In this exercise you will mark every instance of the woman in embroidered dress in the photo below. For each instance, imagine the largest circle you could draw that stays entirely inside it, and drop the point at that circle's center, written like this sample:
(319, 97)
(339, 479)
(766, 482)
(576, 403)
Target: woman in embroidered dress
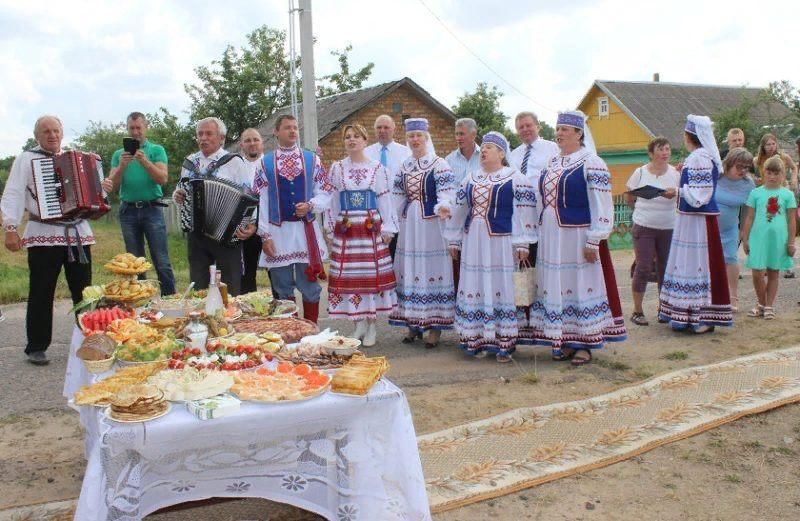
(695, 295)
(424, 194)
(363, 221)
(577, 307)
(492, 225)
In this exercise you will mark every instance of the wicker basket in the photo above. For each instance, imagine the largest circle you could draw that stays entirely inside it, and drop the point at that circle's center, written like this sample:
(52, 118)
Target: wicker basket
(98, 366)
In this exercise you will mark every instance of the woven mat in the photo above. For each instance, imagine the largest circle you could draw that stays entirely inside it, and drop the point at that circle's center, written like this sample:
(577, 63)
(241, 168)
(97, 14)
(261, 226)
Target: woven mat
(526, 447)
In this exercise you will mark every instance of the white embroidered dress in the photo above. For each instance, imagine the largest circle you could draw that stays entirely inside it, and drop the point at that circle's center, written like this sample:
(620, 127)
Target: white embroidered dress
(424, 272)
(572, 306)
(18, 197)
(289, 236)
(689, 290)
(486, 317)
(361, 278)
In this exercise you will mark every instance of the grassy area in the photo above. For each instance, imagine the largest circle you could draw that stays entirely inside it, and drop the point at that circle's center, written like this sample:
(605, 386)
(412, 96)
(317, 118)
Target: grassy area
(14, 266)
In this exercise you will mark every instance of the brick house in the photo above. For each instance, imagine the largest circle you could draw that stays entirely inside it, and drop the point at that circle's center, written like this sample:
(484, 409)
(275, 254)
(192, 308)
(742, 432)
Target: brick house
(400, 99)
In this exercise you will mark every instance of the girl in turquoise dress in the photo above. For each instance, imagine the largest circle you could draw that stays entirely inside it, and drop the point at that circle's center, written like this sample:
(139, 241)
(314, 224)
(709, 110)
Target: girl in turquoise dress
(768, 235)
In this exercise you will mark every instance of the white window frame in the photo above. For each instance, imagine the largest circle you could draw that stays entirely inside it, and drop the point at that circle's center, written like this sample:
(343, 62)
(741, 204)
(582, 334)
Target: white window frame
(600, 101)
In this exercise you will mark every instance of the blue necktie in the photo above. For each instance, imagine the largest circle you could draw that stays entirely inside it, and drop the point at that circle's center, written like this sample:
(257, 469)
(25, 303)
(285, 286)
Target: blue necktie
(384, 158)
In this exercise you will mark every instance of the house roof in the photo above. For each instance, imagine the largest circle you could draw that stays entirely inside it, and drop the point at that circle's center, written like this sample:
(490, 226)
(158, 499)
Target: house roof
(335, 109)
(660, 108)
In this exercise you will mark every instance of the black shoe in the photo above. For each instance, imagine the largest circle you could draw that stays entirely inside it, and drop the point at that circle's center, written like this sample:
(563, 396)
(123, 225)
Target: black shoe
(410, 339)
(38, 358)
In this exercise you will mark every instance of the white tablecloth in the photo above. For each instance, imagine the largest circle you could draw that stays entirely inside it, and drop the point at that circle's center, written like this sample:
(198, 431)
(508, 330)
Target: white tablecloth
(345, 458)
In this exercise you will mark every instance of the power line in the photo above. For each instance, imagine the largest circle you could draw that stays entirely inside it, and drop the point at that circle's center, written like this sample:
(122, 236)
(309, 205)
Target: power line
(481, 60)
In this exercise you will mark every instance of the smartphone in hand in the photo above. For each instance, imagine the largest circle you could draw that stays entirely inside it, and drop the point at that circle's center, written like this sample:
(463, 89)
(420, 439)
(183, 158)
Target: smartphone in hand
(130, 145)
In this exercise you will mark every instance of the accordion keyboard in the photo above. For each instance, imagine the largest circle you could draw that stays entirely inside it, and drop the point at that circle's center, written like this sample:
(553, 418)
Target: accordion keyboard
(48, 188)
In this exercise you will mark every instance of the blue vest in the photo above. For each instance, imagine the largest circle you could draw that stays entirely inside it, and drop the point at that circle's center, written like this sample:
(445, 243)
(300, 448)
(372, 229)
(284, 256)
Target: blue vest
(501, 208)
(284, 194)
(572, 197)
(429, 199)
(709, 208)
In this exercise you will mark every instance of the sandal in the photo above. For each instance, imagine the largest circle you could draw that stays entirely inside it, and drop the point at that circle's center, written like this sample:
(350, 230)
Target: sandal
(788, 275)
(756, 312)
(430, 344)
(769, 313)
(735, 304)
(639, 319)
(503, 358)
(702, 329)
(410, 338)
(578, 361)
(563, 355)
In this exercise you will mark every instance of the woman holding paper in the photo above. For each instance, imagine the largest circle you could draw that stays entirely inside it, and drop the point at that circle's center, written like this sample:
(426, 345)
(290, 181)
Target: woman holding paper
(653, 221)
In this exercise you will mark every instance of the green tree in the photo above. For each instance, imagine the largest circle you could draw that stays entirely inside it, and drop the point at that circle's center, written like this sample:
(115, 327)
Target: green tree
(547, 132)
(738, 117)
(178, 139)
(30, 144)
(343, 80)
(786, 93)
(246, 85)
(164, 128)
(102, 139)
(784, 126)
(5, 168)
(483, 106)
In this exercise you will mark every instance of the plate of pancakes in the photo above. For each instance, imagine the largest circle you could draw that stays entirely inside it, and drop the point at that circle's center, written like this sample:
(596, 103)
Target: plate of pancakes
(138, 403)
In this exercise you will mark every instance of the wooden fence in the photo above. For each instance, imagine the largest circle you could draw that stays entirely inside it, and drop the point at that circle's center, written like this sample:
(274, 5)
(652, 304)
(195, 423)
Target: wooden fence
(171, 216)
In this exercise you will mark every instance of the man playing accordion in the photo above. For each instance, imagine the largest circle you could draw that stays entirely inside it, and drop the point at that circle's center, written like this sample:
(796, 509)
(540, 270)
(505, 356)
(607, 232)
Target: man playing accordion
(213, 160)
(51, 245)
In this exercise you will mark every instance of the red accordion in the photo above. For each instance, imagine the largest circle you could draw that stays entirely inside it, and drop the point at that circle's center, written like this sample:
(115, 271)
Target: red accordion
(68, 186)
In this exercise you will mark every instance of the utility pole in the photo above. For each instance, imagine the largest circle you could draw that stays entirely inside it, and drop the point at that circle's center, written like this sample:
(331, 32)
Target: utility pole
(307, 71)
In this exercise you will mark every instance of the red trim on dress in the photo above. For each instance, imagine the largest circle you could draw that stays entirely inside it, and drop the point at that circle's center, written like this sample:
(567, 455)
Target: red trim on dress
(718, 275)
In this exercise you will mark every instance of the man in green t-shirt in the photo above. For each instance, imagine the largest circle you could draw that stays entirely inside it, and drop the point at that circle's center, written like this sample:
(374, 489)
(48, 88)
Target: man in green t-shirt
(140, 177)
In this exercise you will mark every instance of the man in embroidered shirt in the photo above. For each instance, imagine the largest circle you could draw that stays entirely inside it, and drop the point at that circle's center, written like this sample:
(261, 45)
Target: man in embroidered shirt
(252, 146)
(213, 159)
(466, 158)
(293, 187)
(389, 153)
(531, 156)
(139, 178)
(50, 246)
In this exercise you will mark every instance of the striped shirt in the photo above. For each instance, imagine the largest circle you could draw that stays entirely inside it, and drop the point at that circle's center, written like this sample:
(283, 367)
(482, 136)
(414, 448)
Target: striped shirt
(461, 166)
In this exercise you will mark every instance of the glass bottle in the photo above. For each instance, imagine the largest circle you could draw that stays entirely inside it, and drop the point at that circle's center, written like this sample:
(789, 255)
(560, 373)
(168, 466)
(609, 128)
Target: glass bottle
(196, 331)
(214, 297)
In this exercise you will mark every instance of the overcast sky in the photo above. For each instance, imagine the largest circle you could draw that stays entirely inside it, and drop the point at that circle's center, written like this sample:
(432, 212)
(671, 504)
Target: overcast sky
(98, 60)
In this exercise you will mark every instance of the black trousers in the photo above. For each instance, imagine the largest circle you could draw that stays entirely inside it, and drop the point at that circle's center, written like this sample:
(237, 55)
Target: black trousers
(251, 251)
(203, 252)
(44, 265)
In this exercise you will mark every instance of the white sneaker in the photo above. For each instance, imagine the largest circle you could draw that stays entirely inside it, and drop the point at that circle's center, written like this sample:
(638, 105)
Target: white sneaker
(369, 337)
(361, 329)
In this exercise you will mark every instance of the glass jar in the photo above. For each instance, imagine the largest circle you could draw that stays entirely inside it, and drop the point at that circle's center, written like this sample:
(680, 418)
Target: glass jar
(196, 331)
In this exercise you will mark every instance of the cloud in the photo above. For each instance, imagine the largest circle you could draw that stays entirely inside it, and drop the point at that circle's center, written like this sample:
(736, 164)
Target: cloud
(97, 60)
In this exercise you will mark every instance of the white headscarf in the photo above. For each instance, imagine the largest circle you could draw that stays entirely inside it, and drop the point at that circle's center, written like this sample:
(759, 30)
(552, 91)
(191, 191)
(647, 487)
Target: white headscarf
(703, 128)
(420, 125)
(577, 119)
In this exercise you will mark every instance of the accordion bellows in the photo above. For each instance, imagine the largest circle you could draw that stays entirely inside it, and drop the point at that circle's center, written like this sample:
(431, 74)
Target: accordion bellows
(69, 186)
(218, 207)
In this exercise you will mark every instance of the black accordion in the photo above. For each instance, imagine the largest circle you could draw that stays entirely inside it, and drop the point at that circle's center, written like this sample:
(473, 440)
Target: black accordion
(218, 208)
